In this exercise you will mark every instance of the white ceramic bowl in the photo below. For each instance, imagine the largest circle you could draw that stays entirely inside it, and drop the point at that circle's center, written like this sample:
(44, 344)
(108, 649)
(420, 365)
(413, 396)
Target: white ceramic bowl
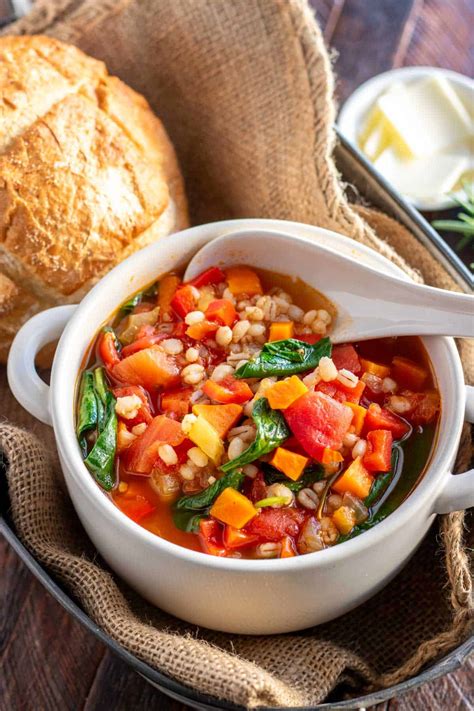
(243, 596)
(356, 108)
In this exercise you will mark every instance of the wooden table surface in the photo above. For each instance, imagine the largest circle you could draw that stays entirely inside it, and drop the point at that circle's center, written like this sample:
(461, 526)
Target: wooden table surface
(48, 660)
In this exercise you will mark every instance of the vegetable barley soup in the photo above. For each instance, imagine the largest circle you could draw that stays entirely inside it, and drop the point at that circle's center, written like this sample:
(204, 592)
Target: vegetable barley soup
(218, 415)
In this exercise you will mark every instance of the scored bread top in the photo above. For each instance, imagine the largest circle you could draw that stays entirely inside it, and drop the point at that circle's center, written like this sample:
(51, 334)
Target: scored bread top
(87, 176)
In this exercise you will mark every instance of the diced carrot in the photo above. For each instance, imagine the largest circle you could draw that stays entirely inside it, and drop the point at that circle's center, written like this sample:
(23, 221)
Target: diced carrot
(283, 393)
(290, 463)
(210, 537)
(242, 280)
(280, 330)
(356, 479)
(378, 418)
(288, 548)
(344, 518)
(183, 301)
(351, 394)
(408, 374)
(200, 330)
(379, 451)
(222, 311)
(228, 390)
(383, 371)
(213, 275)
(167, 289)
(177, 401)
(235, 538)
(150, 368)
(108, 350)
(233, 508)
(331, 456)
(358, 417)
(221, 417)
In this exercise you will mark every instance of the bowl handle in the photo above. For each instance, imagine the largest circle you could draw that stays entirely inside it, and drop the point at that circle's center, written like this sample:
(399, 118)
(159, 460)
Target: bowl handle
(458, 493)
(26, 385)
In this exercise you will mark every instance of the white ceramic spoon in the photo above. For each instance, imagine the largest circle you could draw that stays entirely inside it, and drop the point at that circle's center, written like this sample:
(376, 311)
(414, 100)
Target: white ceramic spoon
(369, 304)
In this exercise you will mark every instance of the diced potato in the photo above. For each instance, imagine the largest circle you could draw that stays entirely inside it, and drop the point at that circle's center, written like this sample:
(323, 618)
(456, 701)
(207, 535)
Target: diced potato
(221, 417)
(203, 434)
(344, 518)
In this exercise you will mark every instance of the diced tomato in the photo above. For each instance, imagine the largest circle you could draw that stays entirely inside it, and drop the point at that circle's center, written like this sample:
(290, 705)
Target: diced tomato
(213, 275)
(379, 451)
(183, 301)
(408, 374)
(341, 392)
(210, 537)
(142, 454)
(228, 390)
(150, 368)
(108, 350)
(318, 421)
(176, 402)
(144, 413)
(199, 331)
(236, 538)
(179, 329)
(310, 338)
(425, 406)
(378, 418)
(255, 489)
(345, 356)
(222, 311)
(274, 524)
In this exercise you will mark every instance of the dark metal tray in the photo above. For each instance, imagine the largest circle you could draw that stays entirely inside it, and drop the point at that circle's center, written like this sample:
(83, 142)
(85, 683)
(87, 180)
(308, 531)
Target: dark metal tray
(371, 186)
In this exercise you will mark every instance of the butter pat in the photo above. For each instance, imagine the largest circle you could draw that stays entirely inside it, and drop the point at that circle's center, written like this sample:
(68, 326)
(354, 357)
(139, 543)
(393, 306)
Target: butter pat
(427, 116)
(422, 178)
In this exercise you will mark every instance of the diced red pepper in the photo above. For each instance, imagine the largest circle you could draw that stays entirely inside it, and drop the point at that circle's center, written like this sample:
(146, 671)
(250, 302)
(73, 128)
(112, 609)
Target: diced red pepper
(199, 331)
(228, 390)
(142, 342)
(237, 538)
(222, 311)
(274, 524)
(341, 392)
(108, 350)
(379, 451)
(141, 456)
(318, 421)
(183, 301)
(210, 537)
(378, 418)
(176, 402)
(345, 356)
(213, 275)
(144, 413)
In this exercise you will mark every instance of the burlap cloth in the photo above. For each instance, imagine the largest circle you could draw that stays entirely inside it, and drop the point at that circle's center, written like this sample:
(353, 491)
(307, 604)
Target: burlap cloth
(245, 90)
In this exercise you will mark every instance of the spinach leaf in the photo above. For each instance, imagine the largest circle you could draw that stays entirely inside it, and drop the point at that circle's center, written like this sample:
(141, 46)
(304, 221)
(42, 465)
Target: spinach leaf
(129, 305)
(285, 357)
(314, 472)
(101, 459)
(101, 391)
(383, 481)
(272, 430)
(87, 409)
(188, 510)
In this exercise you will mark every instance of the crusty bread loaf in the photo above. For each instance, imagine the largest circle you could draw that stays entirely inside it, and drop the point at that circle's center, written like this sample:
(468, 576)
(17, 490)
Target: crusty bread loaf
(87, 176)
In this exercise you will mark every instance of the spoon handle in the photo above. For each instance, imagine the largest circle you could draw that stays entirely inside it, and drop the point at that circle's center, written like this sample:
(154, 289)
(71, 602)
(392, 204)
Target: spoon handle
(408, 309)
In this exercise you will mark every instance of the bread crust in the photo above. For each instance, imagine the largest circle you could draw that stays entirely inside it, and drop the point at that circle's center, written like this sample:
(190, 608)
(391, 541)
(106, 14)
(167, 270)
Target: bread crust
(88, 175)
